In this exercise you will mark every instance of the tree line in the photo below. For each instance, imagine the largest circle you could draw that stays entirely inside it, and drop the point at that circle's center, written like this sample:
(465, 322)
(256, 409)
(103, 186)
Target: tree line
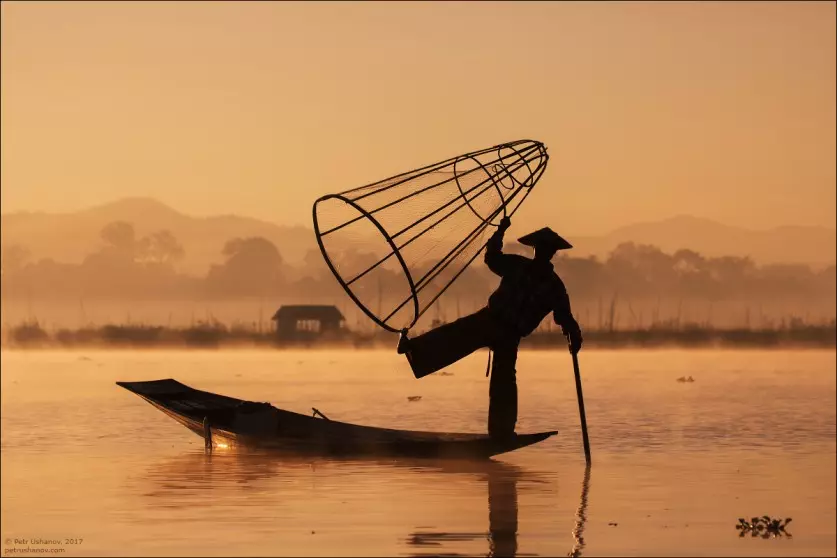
(129, 267)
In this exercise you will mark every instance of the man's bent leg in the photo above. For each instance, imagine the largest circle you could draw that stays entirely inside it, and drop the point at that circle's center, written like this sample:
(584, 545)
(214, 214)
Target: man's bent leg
(502, 391)
(441, 347)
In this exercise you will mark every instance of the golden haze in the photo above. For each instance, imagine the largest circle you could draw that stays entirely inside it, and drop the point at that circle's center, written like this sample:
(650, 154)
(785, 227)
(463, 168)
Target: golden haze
(725, 111)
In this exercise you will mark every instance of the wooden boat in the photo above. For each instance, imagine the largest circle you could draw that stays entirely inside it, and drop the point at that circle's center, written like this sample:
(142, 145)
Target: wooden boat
(234, 422)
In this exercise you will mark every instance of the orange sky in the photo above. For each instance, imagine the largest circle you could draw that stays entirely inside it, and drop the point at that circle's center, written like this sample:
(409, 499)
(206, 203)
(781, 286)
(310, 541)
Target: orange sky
(721, 110)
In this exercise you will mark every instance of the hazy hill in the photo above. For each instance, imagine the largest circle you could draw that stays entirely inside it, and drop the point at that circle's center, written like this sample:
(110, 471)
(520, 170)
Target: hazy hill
(69, 237)
(797, 244)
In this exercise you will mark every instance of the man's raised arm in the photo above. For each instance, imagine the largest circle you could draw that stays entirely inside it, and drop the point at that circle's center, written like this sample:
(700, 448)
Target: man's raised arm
(496, 261)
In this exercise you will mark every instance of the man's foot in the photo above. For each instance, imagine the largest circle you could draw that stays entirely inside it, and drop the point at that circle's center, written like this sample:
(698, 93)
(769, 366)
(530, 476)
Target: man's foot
(403, 343)
(503, 436)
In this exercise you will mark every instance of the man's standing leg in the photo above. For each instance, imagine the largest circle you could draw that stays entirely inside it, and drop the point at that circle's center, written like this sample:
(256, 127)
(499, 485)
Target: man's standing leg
(502, 391)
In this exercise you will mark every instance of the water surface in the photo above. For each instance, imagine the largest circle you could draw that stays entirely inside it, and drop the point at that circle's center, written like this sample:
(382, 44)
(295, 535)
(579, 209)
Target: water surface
(675, 464)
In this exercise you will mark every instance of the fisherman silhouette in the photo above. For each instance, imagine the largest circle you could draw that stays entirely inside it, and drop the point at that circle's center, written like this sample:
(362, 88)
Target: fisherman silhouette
(529, 290)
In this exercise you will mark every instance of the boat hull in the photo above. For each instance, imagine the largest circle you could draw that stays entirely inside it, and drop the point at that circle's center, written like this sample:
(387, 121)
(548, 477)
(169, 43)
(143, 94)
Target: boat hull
(236, 422)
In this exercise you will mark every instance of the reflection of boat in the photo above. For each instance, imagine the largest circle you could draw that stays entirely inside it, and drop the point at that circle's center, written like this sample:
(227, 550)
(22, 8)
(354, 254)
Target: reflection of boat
(230, 421)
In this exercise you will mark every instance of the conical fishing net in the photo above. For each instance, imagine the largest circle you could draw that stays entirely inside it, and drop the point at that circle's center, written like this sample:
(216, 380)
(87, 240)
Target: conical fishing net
(396, 245)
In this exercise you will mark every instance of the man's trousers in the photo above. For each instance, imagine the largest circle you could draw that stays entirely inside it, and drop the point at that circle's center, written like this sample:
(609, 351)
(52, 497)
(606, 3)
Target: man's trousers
(441, 347)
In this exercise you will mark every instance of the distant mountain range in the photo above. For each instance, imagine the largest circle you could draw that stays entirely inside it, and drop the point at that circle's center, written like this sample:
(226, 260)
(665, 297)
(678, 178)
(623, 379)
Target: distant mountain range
(815, 246)
(69, 237)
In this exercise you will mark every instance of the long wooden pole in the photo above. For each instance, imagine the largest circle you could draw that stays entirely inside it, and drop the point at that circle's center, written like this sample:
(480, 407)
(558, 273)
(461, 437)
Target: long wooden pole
(581, 407)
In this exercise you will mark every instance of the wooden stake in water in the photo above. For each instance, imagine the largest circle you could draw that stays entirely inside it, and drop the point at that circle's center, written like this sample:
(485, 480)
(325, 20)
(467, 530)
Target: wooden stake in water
(207, 434)
(581, 407)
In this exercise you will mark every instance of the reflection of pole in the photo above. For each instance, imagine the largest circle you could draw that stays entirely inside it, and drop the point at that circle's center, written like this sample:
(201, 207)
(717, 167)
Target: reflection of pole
(581, 516)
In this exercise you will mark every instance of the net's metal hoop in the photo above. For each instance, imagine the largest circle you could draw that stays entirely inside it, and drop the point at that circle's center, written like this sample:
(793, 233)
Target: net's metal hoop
(497, 168)
(422, 218)
(395, 251)
(461, 191)
(520, 157)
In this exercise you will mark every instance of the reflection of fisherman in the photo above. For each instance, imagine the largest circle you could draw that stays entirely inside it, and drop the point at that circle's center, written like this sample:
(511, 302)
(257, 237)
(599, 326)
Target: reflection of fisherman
(528, 291)
(502, 480)
(502, 512)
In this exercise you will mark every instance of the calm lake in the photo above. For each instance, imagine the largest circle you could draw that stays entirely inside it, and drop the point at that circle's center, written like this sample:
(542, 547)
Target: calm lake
(97, 470)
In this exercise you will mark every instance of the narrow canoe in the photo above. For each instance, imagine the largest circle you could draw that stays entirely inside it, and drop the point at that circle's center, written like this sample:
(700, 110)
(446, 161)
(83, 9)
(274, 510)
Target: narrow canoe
(235, 422)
